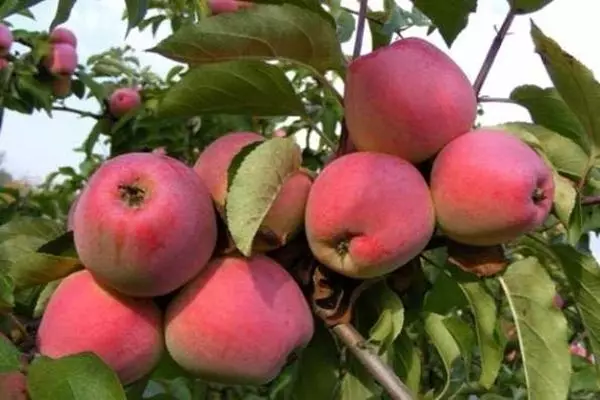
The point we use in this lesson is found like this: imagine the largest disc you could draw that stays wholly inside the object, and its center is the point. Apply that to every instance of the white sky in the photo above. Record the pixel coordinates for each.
(36, 145)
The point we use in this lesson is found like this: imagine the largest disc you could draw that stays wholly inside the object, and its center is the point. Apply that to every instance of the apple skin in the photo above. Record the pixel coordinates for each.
(3, 63)
(227, 6)
(483, 185)
(63, 35)
(61, 86)
(123, 100)
(84, 316)
(144, 224)
(238, 321)
(407, 99)
(62, 60)
(13, 386)
(6, 40)
(368, 214)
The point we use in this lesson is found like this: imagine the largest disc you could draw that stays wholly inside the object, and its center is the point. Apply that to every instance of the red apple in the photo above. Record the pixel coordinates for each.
(123, 100)
(63, 35)
(6, 40)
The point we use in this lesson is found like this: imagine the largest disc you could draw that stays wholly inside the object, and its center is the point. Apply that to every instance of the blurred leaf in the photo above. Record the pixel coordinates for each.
(583, 274)
(10, 356)
(78, 377)
(527, 6)
(565, 197)
(357, 383)
(541, 328)
(234, 87)
(9, 7)
(391, 316)
(574, 82)
(261, 32)
(42, 228)
(449, 16)
(576, 223)
(63, 12)
(136, 11)
(407, 363)
(585, 380)
(256, 185)
(547, 108)
(463, 334)
(317, 376)
(444, 343)
(7, 287)
(379, 37)
(44, 298)
(345, 26)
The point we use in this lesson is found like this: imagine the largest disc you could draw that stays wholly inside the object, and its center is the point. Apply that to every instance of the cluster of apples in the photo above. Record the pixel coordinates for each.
(61, 62)
(6, 42)
(145, 226)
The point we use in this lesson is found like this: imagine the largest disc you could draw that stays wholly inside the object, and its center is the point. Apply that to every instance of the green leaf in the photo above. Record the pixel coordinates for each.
(234, 87)
(136, 11)
(391, 317)
(357, 383)
(407, 363)
(583, 274)
(574, 82)
(44, 298)
(318, 370)
(41, 228)
(262, 32)
(63, 12)
(565, 197)
(10, 356)
(7, 288)
(463, 334)
(576, 223)
(445, 344)
(256, 185)
(547, 108)
(449, 16)
(527, 6)
(79, 377)
(345, 26)
(541, 328)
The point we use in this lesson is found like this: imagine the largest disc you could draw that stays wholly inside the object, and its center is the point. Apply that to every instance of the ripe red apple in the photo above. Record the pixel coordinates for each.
(144, 224)
(227, 6)
(238, 321)
(84, 316)
(368, 214)
(407, 99)
(489, 187)
(3, 63)
(63, 35)
(123, 100)
(62, 60)
(6, 40)
(286, 214)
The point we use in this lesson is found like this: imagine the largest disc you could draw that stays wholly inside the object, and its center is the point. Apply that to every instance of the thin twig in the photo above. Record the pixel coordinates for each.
(493, 51)
(485, 99)
(397, 31)
(76, 111)
(590, 200)
(386, 377)
(360, 29)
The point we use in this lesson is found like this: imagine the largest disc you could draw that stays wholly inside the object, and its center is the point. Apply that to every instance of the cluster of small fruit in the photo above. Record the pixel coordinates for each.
(409, 108)
(60, 62)
(145, 226)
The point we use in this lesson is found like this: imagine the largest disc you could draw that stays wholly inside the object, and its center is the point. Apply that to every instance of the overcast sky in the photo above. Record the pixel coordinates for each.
(36, 145)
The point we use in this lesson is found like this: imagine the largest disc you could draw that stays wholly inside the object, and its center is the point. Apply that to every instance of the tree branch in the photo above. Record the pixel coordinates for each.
(372, 362)
(360, 28)
(485, 99)
(76, 111)
(590, 200)
(493, 52)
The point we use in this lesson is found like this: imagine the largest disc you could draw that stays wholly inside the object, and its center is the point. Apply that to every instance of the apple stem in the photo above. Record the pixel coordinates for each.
(493, 51)
(382, 372)
(360, 29)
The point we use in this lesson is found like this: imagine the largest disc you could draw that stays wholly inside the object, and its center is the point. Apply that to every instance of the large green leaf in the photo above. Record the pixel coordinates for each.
(450, 16)
(541, 328)
(136, 10)
(527, 6)
(10, 356)
(388, 326)
(583, 274)
(264, 31)
(574, 82)
(7, 288)
(445, 344)
(234, 87)
(255, 186)
(548, 109)
(63, 12)
(407, 363)
(41, 228)
(78, 377)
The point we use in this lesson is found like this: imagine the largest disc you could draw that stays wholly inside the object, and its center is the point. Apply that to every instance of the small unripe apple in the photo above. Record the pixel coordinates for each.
(489, 187)
(62, 60)
(123, 100)
(6, 40)
(407, 99)
(63, 35)
(227, 6)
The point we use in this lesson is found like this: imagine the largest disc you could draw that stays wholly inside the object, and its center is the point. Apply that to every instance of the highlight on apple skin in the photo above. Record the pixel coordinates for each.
(407, 99)
(368, 214)
(144, 224)
(62, 60)
(6, 40)
(227, 6)
(489, 187)
(63, 35)
(84, 316)
(238, 321)
(123, 100)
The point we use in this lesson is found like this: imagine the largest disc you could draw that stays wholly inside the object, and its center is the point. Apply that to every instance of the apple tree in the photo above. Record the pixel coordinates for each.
(277, 219)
